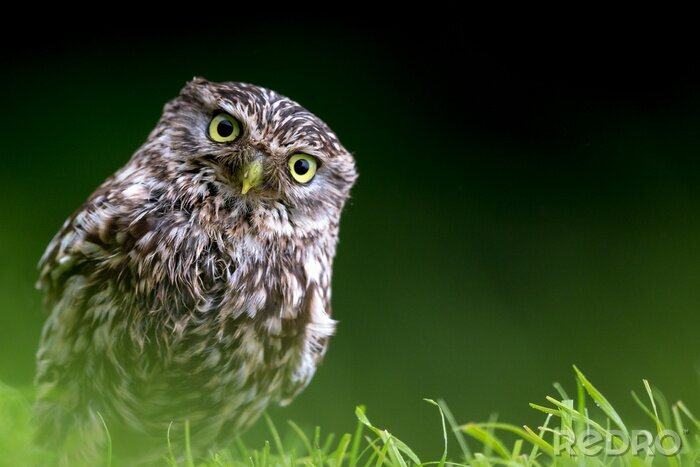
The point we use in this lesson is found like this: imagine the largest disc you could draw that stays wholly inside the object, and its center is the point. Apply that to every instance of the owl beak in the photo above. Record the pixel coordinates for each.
(251, 175)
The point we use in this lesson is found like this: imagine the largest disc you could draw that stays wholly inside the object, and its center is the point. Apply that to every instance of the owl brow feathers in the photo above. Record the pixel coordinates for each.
(268, 115)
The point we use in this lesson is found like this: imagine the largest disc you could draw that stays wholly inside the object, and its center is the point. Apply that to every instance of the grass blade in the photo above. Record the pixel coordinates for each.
(527, 434)
(680, 428)
(318, 454)
(466, 452)
(242, 449)
(109, 440)
(560, 389)
(547, 410)
(381, 457)
(265, 457)
(672, 460)
(580, 404)
(302, 436)
(371, 445)
(444, 431)
(517, 448)
(396, 454)
(641, 405)
(688, 414)
(385, 436)
(189, 460)
(327, 445)
(601, 401)
(535, 447)
(593, 424)
(275, 435)
(171, 455)
(339, 454)
(659, 426)
(487, 439)
(356, 439)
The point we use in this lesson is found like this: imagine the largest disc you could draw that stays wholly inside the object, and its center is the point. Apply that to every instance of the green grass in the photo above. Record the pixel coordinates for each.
(588, 414)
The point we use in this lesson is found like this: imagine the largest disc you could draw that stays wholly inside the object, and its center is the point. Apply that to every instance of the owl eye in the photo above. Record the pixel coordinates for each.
(223, 128)
(303, 167)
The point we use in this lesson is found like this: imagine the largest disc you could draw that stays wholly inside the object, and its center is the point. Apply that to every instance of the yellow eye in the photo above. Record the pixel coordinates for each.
(223, 128)
(303, 167)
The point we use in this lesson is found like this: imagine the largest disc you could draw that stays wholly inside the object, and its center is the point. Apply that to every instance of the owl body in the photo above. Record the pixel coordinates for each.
(174, 293)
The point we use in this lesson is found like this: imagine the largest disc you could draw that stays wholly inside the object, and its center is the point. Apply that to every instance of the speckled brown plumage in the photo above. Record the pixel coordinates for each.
(172, 296)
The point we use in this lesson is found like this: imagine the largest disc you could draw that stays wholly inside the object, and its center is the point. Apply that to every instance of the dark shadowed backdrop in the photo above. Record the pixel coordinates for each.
(524, 203)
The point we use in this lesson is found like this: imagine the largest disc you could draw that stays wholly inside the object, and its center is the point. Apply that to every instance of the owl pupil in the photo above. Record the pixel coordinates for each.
(301, 166)
(225, 128)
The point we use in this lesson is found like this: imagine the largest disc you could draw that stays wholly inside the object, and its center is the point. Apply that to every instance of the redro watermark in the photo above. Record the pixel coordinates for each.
(592, 443)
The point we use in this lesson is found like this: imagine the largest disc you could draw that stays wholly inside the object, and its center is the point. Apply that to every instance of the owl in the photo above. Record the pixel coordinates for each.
(194, 285)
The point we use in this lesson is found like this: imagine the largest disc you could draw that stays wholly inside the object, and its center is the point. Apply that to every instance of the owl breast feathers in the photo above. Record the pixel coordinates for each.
(195, 283)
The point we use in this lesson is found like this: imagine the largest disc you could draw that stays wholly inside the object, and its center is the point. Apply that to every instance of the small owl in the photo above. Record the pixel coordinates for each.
(195, 283)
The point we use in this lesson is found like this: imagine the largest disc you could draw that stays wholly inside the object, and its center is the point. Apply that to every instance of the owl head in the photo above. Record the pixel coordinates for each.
(255, 150)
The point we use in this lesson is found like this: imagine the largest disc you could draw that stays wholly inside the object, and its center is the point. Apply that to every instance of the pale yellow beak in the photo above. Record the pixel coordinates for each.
(251, 175)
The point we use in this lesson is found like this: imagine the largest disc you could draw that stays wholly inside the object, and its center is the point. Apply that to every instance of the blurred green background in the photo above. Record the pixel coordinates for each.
(515, 213)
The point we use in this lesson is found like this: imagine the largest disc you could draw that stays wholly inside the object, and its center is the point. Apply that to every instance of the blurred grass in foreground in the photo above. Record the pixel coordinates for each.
(564, 438)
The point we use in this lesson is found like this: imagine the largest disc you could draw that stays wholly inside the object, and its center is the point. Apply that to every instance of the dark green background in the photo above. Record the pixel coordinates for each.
(521, 206)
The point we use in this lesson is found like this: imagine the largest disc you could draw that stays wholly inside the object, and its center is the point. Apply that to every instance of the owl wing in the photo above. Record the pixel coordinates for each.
(97, 236)
(80, 272)
(60, 261)
(67, 278)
